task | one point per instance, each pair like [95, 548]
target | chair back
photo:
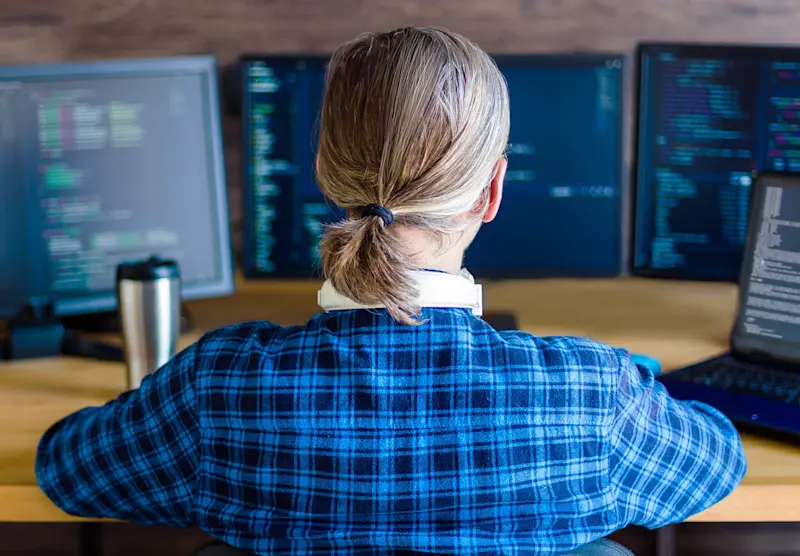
[601, 547]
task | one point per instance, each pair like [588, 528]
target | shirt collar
[436, 289]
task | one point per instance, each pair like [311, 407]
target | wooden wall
[55, 30]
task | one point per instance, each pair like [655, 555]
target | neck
[449, 264]
[427, 254]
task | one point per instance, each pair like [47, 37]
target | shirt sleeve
[135, 458]
[670, 459]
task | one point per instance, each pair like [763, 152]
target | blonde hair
[414, 120]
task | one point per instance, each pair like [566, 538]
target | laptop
[757, 383]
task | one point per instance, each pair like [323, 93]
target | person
[396, 420]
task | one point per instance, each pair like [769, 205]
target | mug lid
[148, 270]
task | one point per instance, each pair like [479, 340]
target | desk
[676, 322]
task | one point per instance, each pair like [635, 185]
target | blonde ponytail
[413, 121]
[366, 263]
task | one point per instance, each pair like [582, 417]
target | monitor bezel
[742, 344]
[696, 49]
[248, 260]
[541, 60]
[207, 68]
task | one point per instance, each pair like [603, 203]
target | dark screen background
[285, 211]
[560, 213]
[709, 117]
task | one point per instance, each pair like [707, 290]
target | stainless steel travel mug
[149, 301]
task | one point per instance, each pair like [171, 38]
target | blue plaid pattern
[353, 434]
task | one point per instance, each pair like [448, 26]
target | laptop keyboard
[739, 376]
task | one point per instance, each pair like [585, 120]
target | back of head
[413, 120]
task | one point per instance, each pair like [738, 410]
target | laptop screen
[768, 320]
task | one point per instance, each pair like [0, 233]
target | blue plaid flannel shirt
[353, 434]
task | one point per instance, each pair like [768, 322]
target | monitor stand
[108, 322]
[35, 333]
[501, 320]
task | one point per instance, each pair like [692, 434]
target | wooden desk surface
[676, 322]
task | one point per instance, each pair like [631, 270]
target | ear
[496, 190]
[316, 164]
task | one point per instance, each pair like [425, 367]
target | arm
[670, 459]
[135, 458]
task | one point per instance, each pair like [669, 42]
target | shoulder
[572, 357]
[238, 340]
[567, 349]
[572, 380]
[244, 332]
[584, 352]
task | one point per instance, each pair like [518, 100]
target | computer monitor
[562, 194]
[285, 213]
[104, 162]
[561, 213]
[709, 116]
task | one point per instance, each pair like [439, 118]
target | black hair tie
[380, 211]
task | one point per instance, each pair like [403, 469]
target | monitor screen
[561, 210]
[285, 213]
[105, 162]
[562, 188]
[769, 309]
[708, 117]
